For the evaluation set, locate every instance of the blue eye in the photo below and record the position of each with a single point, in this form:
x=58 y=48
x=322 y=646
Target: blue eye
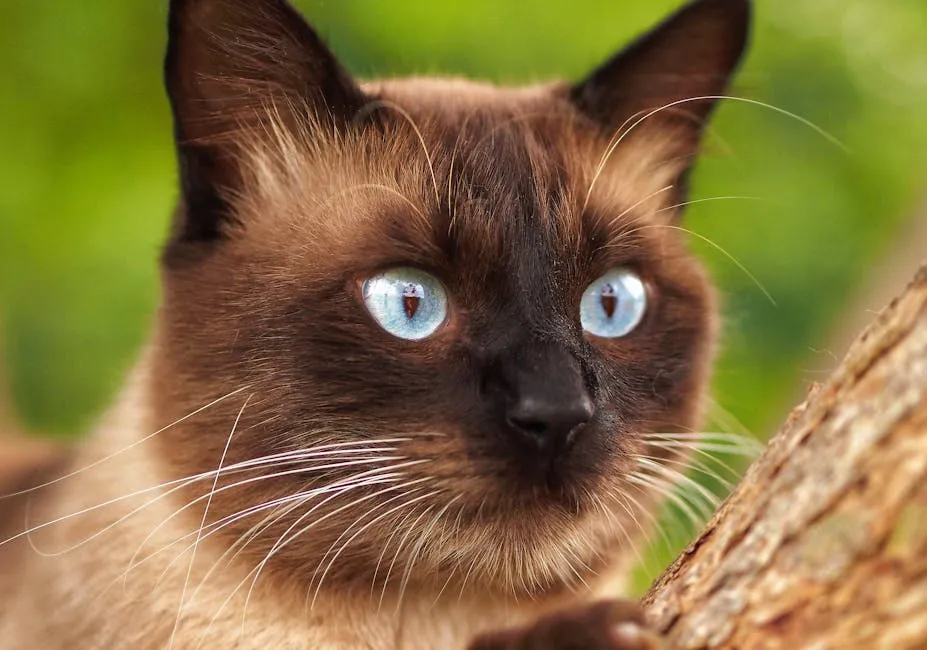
x=406 y=302
x=614 y=304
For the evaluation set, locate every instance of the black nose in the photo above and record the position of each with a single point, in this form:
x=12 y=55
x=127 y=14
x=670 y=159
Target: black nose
x=550 y=421
x=545 y=398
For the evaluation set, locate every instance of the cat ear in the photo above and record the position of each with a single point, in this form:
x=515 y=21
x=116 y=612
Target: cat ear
x=230 y=65
x=692 y=54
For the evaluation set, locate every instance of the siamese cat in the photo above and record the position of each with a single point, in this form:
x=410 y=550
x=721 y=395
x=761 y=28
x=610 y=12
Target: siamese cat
x=420 y=343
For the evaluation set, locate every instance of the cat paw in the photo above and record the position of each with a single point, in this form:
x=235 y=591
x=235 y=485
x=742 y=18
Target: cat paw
x=606 y=625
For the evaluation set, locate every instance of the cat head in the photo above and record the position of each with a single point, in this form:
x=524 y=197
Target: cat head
x=439 y=317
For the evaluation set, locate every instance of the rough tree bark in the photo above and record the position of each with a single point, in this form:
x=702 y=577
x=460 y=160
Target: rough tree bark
x=824 y=544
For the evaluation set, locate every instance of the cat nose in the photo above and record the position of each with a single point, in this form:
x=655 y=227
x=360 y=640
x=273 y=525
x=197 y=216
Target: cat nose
x=550 y=422
x=545 y=398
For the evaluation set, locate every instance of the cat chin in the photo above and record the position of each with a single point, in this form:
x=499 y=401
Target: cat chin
x=537 y=549
x=541 y=545
x=537 y=561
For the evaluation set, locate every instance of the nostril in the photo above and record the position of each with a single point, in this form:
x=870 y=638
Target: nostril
x=536 y=428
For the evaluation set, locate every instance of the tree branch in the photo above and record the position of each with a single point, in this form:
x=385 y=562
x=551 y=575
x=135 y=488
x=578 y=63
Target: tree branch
x=824 y=543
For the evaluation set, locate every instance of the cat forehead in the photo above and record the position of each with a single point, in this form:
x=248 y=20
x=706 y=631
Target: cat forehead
x=453 y=166
x=487 y=129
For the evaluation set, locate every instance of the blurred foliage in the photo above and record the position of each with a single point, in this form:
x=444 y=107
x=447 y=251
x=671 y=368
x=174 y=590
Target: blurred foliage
x=88 y=171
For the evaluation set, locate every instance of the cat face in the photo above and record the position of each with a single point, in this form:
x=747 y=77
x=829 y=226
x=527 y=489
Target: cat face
x=443 y=313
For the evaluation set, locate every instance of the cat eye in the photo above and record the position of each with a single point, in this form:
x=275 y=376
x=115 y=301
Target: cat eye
x=613 y=305
x=408 y=303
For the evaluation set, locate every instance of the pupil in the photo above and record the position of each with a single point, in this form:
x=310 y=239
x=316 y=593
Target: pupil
x=609 y=300
x=411 y=300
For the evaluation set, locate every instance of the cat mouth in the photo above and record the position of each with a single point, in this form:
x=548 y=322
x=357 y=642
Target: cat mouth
x=544 y=487
x=549 y=476
x=554 y=469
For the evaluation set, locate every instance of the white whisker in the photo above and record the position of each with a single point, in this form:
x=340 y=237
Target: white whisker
x=284 y=540
x=176 y=488
x=615 y=521
x=199 y=532
x=124 y=449
x=708 y=241
x=384 y=188
x=254 y=574
x=298 y=500
x=385 y=103
x=423 y=539
x=667 y=490
x=402 y=542
x=634 y=206
x=709 y=199
x=681 y=480
x=695 y=466
x=399 y=526
x=292 y=500
x=623 y=134
x=363 y=528
x=286 y=457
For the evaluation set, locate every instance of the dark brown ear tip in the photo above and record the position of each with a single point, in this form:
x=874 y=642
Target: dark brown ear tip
x=182 y=10
x=734 y=16
x=742 y=5
x=740 y=13
x=740 y=9
x=737 y=12
x=742 y=23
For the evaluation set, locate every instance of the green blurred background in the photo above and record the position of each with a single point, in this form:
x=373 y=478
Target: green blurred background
x=87 y=171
